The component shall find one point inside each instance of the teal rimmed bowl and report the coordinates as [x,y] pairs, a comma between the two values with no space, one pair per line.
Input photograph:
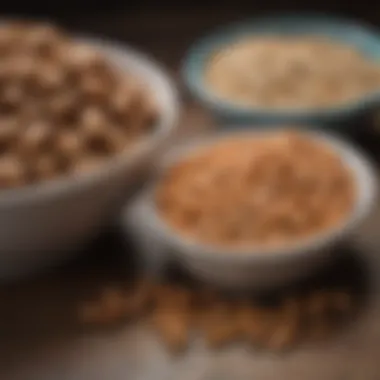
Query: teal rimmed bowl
[361,37]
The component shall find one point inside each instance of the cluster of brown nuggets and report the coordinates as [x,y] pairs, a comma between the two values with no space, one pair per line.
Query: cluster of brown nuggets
[176,311]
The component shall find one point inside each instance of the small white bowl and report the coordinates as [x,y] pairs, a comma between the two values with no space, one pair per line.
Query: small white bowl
[41,224]
[251,268]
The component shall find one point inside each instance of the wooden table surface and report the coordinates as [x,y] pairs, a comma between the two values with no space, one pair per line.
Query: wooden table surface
[39,335]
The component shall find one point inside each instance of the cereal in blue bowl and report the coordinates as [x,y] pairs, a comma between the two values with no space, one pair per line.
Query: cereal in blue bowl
[308,69]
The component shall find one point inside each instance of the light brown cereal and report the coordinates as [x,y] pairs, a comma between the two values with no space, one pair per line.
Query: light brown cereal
[288,72]
[270,190]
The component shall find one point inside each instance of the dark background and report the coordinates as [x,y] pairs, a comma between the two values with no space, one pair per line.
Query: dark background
[165,29]
[66,10]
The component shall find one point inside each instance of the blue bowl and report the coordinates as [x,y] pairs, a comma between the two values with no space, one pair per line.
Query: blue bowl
[361,37]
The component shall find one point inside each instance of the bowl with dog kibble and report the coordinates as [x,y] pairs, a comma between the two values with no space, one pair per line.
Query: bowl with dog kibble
[306,69]
[258,208]
[80,118]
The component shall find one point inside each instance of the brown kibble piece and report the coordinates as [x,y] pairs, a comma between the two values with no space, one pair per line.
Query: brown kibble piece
[11,96]
[221,334]
[317,304]
[18,71]
[175,310]
[198,311]
[134,117]
[69,144]
[139,298]
[169,296]
[207,297]
[341,302]
[11,172]
[203,300]
[173,327]
[8,134]
[292,311]
[122,100]
[282,337]
[318,315]
[119,141]
[94,88]
[87,165]
[81,57]
[112,302]
[10,35]
[63,107]
[98,136]
[45,167]
[55,92]
[43,36]
[51,77]
[320,329]
[286,327]
[92,313]
[220,326]
[253,323]
[36,138]
[93,120]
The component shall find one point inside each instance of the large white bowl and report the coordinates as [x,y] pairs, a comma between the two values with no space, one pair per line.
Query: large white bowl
[41,224]
[249,268]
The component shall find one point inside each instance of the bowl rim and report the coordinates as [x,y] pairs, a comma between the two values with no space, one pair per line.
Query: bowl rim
[166,125]
[198,54]
[363,172]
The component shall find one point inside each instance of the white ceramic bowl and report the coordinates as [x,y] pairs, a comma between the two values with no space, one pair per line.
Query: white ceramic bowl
[250,268]
[41,224]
